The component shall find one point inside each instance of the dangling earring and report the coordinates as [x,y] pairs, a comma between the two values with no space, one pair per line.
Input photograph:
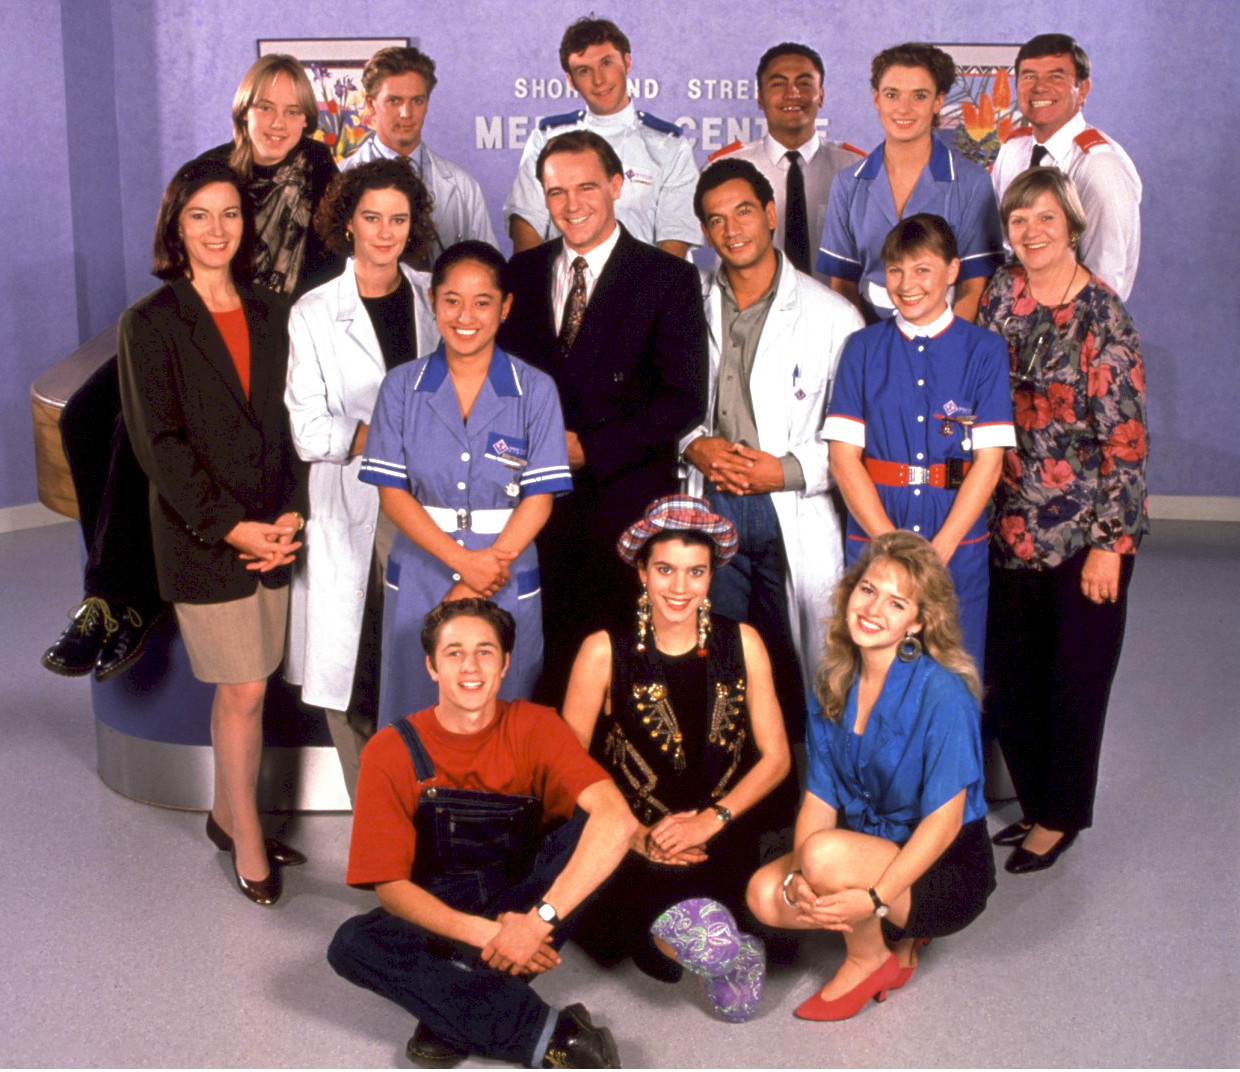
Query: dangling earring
[909,649]
[348,238]
[643,618]
[703,627]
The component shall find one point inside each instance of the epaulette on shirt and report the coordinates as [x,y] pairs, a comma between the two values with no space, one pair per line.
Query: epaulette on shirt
[567,119]
[661,125]
[731,147]
[1019,132]
[1090,139]
[853,149]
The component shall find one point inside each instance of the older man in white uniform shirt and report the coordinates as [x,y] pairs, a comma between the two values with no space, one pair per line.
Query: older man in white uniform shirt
[1052,82]
[790,95]
[398,84]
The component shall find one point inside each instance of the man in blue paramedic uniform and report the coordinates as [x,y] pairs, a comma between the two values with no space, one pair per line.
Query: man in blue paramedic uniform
[656,205]
[912,171]
[398,84]
[920,417]
[1052,82]
[470,477]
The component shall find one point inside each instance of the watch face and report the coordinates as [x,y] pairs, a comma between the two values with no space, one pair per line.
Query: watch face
[546,913]
[882,912]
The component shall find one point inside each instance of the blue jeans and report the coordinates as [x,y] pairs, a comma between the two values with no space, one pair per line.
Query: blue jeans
[444,984]
[751,588]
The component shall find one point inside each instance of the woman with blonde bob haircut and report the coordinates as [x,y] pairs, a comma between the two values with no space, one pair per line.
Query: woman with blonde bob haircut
[282,168]
[890,846]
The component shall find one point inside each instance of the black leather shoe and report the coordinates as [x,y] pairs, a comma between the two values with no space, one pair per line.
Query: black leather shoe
[123,646]
[277,851]
[77,649]
[1023,862]
[428,1050]
[265,892]
[1012,834]
[577,1043]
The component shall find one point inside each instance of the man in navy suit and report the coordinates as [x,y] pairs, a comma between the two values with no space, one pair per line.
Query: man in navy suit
[620,327]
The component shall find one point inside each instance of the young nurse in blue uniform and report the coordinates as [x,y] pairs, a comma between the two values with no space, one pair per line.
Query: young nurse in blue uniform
[912,171]
[920,417]
[467,448]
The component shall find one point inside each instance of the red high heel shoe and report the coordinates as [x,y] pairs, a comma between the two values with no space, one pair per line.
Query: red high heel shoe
[847,1005]
[906,974]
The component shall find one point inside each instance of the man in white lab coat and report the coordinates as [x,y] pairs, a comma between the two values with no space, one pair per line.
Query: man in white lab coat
[775,337]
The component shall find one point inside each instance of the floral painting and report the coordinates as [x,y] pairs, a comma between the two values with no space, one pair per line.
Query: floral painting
[334,66]
[980,111]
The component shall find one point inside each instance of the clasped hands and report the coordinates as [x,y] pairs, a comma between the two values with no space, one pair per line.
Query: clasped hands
[677,839]
[266,547]
[483,573]
[520,944]
[735,467]
[839,911]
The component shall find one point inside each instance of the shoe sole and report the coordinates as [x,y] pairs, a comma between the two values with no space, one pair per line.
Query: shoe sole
[64,671]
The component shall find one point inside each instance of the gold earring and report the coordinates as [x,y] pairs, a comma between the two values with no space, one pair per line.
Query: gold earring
[643,618]
[703,623]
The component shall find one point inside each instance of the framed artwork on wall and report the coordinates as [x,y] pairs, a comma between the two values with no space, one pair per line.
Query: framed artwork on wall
[334,65]
[980,111]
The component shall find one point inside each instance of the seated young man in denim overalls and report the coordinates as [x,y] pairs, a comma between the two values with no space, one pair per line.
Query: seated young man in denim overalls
[455,829]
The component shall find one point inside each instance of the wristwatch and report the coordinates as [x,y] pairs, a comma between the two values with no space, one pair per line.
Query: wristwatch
[880,909]
[547,913]
[725,816]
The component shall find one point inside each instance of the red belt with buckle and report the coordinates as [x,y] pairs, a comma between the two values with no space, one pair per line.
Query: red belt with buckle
[898,475]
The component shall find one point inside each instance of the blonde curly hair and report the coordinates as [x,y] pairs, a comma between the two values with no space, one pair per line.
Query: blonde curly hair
[938,613]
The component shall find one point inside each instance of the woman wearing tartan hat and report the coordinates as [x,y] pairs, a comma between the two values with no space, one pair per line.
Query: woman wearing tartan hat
[681,710]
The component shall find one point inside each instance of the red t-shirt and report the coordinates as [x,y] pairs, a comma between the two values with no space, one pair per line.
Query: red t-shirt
[527,751]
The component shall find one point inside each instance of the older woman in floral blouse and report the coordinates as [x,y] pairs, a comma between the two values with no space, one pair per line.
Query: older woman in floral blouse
[1069,514]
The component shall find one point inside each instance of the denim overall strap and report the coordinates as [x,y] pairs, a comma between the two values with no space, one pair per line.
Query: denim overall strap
[423,768]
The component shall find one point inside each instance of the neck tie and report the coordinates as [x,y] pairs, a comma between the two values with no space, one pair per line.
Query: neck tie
[1040,153]
[796,217]
[574,307]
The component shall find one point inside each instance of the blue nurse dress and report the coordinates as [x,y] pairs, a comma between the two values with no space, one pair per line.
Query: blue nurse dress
[861,212]
[511,446]
[917,395]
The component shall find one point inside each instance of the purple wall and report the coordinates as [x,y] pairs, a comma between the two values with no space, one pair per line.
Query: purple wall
[173,65]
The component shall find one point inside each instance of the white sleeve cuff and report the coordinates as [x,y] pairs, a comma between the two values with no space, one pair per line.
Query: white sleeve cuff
[993,435]
[845,429]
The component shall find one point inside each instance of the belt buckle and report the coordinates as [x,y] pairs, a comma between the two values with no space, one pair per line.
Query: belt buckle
[918,474]
[462,520]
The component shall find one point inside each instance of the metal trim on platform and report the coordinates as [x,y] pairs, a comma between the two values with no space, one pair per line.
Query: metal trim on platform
[182,775]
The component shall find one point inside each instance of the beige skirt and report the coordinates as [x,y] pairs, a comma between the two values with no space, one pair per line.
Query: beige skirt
[238,641]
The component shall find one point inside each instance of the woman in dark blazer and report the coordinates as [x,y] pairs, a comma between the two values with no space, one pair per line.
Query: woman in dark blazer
[202,364]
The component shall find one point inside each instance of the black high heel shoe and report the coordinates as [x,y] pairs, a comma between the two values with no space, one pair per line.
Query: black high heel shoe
[265,892]
[1012,834]
[1024,862]
[277,851]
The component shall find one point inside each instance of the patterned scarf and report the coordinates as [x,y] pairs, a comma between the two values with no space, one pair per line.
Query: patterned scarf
[281,221]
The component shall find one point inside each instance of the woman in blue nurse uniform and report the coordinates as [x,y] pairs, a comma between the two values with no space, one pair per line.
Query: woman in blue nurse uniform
[912,171]
[467,448]
[920,417]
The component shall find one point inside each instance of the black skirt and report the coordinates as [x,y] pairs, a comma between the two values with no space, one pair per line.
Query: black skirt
[953,892]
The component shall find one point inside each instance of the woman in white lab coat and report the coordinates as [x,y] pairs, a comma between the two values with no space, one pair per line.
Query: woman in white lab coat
[344,337]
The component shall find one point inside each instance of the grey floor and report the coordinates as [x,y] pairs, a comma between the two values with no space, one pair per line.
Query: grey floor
[122,941]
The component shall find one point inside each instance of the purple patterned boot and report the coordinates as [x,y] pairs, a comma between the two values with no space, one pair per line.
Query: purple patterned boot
[707,941]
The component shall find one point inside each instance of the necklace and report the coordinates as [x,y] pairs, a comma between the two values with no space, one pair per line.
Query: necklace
[1063,297]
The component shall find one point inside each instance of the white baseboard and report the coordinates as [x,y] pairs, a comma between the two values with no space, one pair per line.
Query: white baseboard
[1194,507]
[30,516]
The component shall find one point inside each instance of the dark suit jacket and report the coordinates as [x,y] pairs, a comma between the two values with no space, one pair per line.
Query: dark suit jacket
[212,457]
[635,379]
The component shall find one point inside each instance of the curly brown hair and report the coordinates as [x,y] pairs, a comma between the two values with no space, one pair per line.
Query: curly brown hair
[938,613]
[937,63]
[332,217]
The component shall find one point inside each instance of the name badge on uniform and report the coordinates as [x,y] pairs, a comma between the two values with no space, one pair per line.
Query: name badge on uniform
[955,414]
[633,175]
[511,451]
